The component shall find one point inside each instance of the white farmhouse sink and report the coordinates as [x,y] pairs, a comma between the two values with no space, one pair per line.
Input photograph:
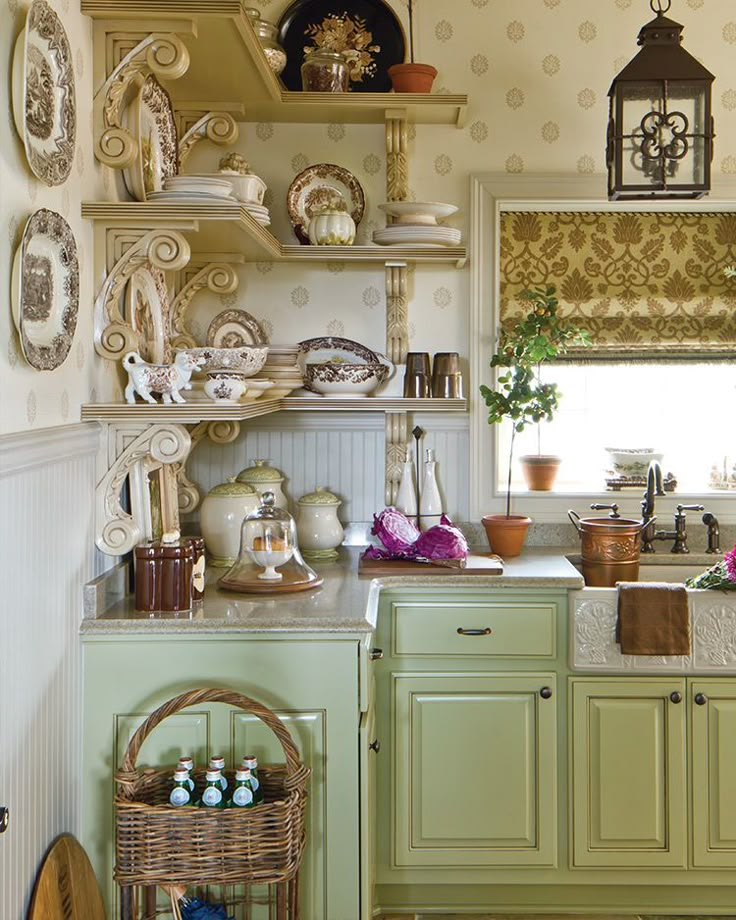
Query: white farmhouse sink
[593,647]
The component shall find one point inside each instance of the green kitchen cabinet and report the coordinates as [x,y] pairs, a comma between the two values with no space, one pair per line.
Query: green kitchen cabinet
[313,684]
[475,770]
[712,705]
[628,772]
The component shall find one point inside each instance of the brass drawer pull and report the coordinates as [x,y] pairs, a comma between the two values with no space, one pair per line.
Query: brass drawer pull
[546,693]
[676,696]
[700,699]
[474,632]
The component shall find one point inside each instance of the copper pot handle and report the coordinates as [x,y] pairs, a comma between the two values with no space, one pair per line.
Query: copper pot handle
[575,518]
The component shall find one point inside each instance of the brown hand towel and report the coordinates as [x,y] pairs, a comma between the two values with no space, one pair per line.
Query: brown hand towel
[653,619]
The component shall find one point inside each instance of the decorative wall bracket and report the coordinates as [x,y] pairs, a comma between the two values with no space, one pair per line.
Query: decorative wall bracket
[218,127]
[164,55]
[145,456]
[397,436]
[397,313]
[397,164]
[217,277]
[166,250]
[221,432]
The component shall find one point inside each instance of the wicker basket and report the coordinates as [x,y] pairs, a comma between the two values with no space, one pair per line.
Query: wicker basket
[157,844]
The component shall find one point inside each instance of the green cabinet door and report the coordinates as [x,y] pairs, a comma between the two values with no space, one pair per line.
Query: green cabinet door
[369,749]
[474,769]
[312,685]
[628,773]
[713,709]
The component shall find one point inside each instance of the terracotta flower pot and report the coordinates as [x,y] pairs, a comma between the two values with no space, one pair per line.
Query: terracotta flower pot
[412,78]
[540,471]
[506,535]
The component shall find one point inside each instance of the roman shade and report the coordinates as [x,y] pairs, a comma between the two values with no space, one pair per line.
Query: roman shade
[646,285]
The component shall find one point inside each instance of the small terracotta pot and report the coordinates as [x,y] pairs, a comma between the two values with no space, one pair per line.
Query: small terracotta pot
[540,471]
[506,535]
[412,78]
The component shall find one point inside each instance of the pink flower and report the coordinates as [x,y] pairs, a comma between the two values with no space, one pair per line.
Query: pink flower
[730,560]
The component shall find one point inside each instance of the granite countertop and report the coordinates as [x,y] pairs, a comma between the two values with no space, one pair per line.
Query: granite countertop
[345,604]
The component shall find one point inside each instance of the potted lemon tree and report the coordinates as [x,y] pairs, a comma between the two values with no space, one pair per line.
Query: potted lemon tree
[521,396]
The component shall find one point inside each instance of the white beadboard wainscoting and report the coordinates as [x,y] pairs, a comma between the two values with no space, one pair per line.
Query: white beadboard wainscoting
[47,481]
[344,451]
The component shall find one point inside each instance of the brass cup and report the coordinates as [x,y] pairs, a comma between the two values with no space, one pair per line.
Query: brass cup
[416,386]
[447,386]
[417,362]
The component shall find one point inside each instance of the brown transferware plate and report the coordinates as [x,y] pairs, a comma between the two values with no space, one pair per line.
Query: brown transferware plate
[313,187]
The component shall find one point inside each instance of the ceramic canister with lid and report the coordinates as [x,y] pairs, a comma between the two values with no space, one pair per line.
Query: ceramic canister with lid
[317,525]
[221,517]
[265,478]
[163,575]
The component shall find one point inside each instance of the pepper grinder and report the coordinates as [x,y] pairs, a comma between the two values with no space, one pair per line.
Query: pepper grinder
[406,497]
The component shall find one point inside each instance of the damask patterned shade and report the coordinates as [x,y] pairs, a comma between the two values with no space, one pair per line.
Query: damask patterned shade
[645,285]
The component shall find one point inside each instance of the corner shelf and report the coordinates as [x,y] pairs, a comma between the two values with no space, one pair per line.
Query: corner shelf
[220,30]
[256,242]
[194,412]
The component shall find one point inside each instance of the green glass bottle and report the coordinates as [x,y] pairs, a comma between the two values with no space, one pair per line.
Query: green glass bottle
[250,762]
[212,796]
[186,763]
[243,796]
[180,794]
[218,763]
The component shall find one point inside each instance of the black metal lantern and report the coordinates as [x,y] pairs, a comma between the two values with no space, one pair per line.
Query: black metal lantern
[660,127]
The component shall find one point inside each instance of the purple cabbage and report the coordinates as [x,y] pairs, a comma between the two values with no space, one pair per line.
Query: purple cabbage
[395,530]
[441,542]
[401,539]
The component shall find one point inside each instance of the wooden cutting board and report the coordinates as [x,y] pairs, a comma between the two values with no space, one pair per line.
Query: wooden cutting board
[475,565]
[66,887]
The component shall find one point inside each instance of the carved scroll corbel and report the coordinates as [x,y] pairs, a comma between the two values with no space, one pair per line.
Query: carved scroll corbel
[397,314]
[220,432]
[164,55]
[163,249]
[116,530]
[216,277]
[397,164]
[218,127]
[396,439]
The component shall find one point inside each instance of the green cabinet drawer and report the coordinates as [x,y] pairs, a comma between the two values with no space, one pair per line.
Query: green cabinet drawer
[518,628]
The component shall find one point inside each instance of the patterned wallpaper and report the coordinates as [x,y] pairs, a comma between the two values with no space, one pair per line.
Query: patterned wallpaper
[649,284]
[30,398]
[536,73]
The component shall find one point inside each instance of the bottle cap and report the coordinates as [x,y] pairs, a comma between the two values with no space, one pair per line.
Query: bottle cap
[242,774]
[213,776]
[217,763]
[181,776]
[186,762]
[250,760]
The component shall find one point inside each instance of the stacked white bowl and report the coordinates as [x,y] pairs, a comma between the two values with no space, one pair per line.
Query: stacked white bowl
[282,370]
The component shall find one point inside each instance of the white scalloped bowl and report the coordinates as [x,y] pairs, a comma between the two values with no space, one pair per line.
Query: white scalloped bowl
[246,359]
[418,212]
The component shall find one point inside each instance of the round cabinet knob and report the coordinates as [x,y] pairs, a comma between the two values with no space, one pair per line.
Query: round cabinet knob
[545,693]
[700,699]
[676,696]
[376,654]
[375,745]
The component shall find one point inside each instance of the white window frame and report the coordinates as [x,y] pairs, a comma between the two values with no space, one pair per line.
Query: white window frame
[490,195]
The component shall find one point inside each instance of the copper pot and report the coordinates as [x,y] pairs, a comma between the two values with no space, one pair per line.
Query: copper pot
[609,548]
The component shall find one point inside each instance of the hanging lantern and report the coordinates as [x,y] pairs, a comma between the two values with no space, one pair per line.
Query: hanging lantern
[660,127]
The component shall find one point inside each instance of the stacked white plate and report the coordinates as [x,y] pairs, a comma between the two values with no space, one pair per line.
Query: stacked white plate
[192,187]
[415,224]
[259,211]
[407,235]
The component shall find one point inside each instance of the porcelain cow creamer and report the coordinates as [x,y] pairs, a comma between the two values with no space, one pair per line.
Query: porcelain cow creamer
[166,379]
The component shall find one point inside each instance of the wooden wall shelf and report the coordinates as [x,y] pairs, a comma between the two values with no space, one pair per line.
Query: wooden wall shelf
[219,30]
[195,412]
[256,243]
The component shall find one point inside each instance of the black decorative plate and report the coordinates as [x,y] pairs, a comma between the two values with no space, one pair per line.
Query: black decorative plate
[368,30]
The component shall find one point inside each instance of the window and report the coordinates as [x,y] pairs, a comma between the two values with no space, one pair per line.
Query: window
[680,409]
